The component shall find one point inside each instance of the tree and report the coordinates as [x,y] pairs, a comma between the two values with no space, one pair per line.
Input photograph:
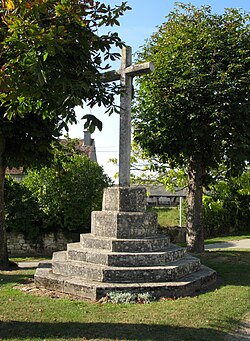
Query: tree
[51,58]
[193,111]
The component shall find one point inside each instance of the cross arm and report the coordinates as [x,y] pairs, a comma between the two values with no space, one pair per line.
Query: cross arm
[139,69]
[111,76]
[132,71]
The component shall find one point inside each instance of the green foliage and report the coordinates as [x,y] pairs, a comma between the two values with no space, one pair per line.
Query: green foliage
[51,60]
[59,197]
[193,110]
[196,102]
[51,55]
[68,190]
[149,170]
[23,214]
[120,297]
[227,207]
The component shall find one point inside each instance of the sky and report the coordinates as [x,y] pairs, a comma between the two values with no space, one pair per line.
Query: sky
[136,26]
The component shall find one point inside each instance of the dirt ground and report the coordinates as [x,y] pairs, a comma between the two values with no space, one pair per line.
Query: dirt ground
[30,288]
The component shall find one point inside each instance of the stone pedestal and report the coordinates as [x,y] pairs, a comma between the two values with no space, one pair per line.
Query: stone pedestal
[123,252]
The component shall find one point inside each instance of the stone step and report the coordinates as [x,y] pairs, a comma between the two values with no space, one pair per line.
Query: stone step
[124,253]
[73,246]
[150,244]
[192,284]
[60,256]
[123,259]
[103,273]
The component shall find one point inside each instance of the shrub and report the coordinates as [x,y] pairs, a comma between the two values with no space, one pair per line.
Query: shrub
[120,297]
[69,194]
[58,197]
[227,208]
[23,213]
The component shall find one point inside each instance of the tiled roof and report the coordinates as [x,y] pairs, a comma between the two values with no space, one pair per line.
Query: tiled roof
[14,171]
[160,190]
[79,145]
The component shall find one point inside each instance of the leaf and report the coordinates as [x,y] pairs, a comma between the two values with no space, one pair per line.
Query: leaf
[9,5]
[45,56]
[92,122]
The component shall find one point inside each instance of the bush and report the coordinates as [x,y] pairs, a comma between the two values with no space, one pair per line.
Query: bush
[23,214]
[227,208]
[69,194]
[59,197]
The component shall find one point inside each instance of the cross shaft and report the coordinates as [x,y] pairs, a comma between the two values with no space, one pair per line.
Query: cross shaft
[125,74]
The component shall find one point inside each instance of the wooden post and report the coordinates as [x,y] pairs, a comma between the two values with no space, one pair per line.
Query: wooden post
[180,211]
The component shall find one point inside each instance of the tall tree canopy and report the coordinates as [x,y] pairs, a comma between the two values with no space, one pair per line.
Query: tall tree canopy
[193,111]
[51,57]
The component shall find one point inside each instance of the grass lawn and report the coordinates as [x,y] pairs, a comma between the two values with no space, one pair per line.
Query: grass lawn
[210,316]
[169,216]
[226,239]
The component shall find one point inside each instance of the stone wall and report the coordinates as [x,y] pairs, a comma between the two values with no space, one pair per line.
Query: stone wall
[18,245]
[176,234]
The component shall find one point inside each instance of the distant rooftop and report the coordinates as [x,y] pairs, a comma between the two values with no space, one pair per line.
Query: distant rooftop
[86,146]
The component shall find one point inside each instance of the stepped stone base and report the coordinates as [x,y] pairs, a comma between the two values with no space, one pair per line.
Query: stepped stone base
[191,284]
[124,253]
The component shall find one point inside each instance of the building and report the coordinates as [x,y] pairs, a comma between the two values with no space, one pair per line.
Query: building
[158,196]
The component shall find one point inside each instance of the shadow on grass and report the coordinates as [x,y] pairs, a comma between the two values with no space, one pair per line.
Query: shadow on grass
[20,276]
[110,331]
[231,265]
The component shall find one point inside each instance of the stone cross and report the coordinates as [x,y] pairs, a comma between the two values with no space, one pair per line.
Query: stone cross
[125,74]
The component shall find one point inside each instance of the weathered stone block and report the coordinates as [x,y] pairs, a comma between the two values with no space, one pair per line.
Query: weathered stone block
[88,240]
[78,255]
[149,244]
[77,269]
[124,224]
[170,272]
[126,259]
[192,283]
[113,274]
[124,199]
[80,288]
[60,255]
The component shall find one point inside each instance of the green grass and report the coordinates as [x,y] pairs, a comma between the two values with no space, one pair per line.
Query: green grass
[221,239]
[169,216]
[226,238]
[210,316]
[28,259]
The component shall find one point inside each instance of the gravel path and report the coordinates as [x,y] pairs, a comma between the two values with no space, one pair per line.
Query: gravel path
[243,333]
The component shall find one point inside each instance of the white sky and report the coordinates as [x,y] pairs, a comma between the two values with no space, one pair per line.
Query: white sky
[135,27]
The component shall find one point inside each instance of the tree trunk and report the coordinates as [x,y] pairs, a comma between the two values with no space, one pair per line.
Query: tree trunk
[195,229]
[4,261]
